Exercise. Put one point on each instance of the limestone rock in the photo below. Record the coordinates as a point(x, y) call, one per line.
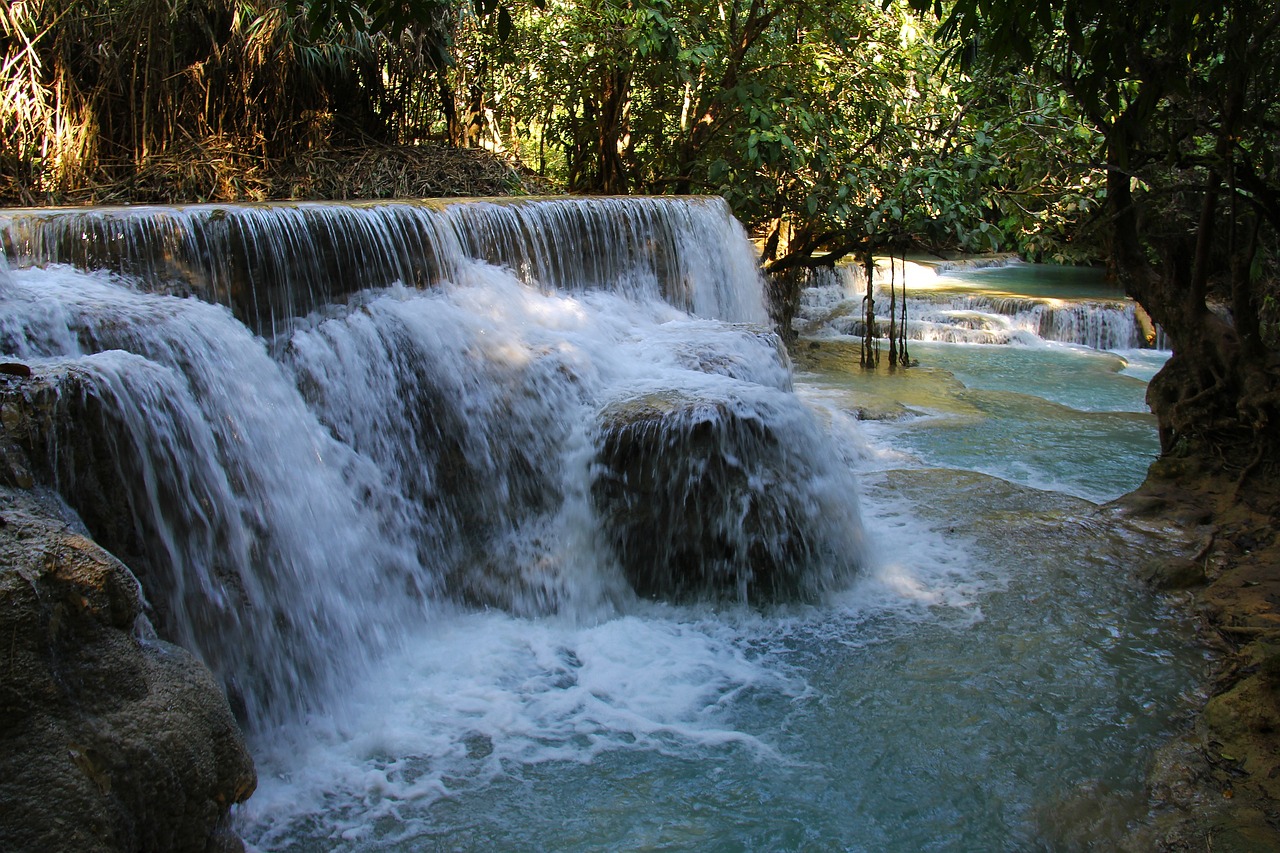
point(699, 497)
point(107, 741)
point(55, 430)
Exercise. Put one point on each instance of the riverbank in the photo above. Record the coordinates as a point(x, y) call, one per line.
point(1217, 787)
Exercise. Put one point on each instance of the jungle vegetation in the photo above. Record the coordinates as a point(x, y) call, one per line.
point(1184, 99)
point(830, 127)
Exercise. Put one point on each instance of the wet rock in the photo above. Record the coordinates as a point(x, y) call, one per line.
point(1175, 573)
point(56, 430)
point(704, 498)
point(757, 355)
point(107, 741)
point(14, 368)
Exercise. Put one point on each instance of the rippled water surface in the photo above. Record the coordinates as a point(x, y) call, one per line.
point(373, 462)
point(993, 681)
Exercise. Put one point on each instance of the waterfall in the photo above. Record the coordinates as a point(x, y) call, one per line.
point(938, 310)
point(274, 262)
point(308, 427)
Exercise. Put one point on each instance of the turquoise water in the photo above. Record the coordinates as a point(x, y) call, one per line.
point(384, 539)
point(1044, 280)
point(1058, 416)
point(994, 681)
point(1055, 417)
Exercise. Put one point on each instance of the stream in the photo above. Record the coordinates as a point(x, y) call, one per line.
point(371, 446)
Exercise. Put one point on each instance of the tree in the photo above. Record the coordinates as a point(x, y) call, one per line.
point(823, 124)
point(1184, 98)
point(92, 90)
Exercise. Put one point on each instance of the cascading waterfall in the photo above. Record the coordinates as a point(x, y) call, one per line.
point(371, 409)
point(273, 263)
point(259, 548)
point(833, 306)
point(463, 502)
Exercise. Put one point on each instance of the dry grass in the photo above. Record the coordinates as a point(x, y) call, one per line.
point(220, 100)
point(219, 170)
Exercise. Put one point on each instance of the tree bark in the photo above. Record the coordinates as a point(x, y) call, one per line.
point(870, 352)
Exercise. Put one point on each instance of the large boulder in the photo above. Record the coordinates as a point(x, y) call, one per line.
point(706, 497)
point(109, 740)
point(54, 430)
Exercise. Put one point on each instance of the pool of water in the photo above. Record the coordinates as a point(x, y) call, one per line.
point(1064, 418)
point(995, 680)
point(1021, 279)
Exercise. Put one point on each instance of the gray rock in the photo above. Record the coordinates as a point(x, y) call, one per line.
point(702, 498)
point(108, 741)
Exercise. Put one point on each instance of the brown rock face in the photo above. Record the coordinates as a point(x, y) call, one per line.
point(107, 741)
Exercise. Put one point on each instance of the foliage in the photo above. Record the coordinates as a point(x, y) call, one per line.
point(813, 120)
point(826, 125)
point(392, 17)
point(1183, 97)
point(92, 88)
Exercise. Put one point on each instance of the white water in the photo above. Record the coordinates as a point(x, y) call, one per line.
point(1033, 375)
point(1005, 303)
point(273, 263)
point(380, 529)
point(310, 499)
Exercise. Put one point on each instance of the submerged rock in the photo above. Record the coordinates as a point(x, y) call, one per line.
point(55, 430)
point(704, 497)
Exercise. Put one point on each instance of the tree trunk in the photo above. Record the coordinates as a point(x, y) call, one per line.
point(893, 311)
point(611, 171)
point(870, 351)
point(904, 357)
point(1216, 401)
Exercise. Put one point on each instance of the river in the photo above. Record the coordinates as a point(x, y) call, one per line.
point(381, 518)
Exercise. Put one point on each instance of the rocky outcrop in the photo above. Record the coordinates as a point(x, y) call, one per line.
point(56, 430)
point(108, 740)
point(1218, 785)
point(704, 498)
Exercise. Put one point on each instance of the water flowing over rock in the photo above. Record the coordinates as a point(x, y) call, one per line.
point(702, 495)
point(832, 304)
point(367, 411)
point(271, 263)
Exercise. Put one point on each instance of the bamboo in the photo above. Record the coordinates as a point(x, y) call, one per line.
point(99, 97)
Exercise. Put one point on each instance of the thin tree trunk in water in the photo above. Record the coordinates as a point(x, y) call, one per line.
point(904, 358)
point(870, 353)
point(893, 312)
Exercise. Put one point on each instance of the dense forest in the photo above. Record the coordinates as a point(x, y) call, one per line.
point(1143, 135)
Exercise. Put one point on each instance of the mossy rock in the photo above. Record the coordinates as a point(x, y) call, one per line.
point(107, 742)
point(702, 498)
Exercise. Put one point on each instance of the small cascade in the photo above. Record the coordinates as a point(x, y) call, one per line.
point(249, 527)
point(367, 413)
point(1105, 325)
point(938, 309)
